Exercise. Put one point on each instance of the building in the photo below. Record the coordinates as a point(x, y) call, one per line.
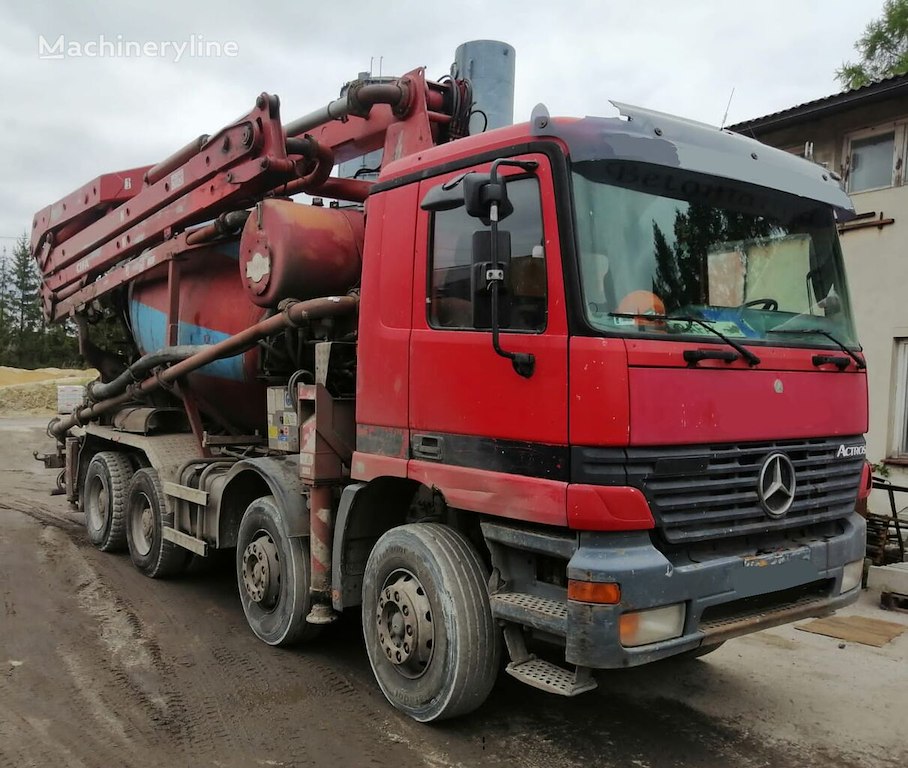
point(862, 135)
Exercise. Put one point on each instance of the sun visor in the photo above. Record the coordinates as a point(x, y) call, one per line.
point(660, 139)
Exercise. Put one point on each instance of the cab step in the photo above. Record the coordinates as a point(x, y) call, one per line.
point(551, 678)
point(540, 613)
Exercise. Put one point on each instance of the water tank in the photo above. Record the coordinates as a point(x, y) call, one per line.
point(489, 65)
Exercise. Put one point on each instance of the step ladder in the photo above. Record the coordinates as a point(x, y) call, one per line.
point(517, 611)
point(520, 612)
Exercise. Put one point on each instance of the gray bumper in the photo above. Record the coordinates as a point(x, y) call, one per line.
point(712, 583)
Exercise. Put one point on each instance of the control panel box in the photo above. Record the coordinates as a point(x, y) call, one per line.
point(283, 421)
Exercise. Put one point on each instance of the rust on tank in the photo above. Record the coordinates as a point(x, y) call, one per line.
point(292, 251)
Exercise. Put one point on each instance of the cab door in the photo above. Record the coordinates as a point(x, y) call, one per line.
point(473, 419)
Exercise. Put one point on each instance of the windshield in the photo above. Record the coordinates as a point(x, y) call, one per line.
point(755, 264)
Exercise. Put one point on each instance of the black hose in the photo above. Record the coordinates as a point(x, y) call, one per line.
point(295, 380)
point(97, 391)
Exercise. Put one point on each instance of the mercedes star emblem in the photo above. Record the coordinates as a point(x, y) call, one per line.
point(776, 486)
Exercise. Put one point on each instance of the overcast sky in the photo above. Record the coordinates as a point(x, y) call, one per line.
point(65, 121)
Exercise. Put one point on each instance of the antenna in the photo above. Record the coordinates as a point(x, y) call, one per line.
point(727, 106)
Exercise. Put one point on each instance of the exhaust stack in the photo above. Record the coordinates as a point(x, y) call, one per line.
point(489, 65)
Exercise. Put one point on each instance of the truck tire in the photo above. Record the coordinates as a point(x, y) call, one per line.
point(273, 576)
point(103, 501)
point(432, 643)
point(146, 517)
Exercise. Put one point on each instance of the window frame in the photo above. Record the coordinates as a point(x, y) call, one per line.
point(430, 266)
point(899, 129)
point(899, 404)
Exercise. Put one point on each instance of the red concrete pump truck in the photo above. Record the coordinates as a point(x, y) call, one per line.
point(582, 388)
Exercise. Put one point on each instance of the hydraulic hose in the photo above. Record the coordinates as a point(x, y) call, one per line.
point(97, 390)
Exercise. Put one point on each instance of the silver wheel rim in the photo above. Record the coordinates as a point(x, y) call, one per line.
point(141, 523)
point(406, 632)
point(98, 504)
point(262, 571)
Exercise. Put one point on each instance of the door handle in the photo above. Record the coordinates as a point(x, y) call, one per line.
point(428, 447)
point(694, 356)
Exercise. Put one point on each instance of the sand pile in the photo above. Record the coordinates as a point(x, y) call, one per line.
point(34, 392)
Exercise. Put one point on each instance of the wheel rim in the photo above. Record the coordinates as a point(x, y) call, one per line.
point(142, 525)
point(98, 504)
point(262, 571)
point(406, 632)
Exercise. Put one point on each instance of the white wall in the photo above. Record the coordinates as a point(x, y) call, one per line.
point(877, 263)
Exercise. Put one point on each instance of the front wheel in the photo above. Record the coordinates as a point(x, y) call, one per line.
point(432, 643)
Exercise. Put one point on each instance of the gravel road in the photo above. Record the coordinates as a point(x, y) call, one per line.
point(99, 666)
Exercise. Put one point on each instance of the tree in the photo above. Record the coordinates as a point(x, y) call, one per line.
point(5, 308)
point(883, 48)
point(25, 307)
point(26, 340)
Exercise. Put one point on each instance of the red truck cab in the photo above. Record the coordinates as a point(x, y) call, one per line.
point(682, 464)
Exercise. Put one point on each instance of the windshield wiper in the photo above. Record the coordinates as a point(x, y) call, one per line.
point(823, 332)
point(749, 356)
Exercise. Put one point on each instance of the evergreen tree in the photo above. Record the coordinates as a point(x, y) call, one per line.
point(5, 309)
point(25, 309)
point(26, 339)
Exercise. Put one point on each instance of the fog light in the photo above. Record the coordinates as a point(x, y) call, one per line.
point(852, 574)
point(651, 626)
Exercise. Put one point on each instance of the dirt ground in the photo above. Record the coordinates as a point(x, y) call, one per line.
point(34, 391)
point(99, 666)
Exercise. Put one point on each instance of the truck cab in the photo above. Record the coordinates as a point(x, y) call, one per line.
point(681, 464)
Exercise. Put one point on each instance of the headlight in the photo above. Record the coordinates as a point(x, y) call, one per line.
point(651, 626)
point(852, 575)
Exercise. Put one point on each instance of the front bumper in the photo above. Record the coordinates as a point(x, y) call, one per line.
point(724, 594)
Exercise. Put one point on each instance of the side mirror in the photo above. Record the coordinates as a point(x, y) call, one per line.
point(476, 191)
point(484, 273)
point(480, 192)
point(444, 197)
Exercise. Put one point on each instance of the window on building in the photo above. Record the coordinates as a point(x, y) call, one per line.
point(899, 412)
point(453, 280)
point(874, 158)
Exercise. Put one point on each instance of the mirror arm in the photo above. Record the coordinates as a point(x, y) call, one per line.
point(524, 363)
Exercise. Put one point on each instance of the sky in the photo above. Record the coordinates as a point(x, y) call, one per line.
point(66, 120)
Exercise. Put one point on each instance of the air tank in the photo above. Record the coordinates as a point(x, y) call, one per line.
point(293, 251)
point(489, 65)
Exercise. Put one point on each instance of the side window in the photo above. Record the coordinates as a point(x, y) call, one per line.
point(898, 413)
point(874, 157)
point(451, 273)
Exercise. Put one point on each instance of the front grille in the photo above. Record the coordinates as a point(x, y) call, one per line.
point(698, 493)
